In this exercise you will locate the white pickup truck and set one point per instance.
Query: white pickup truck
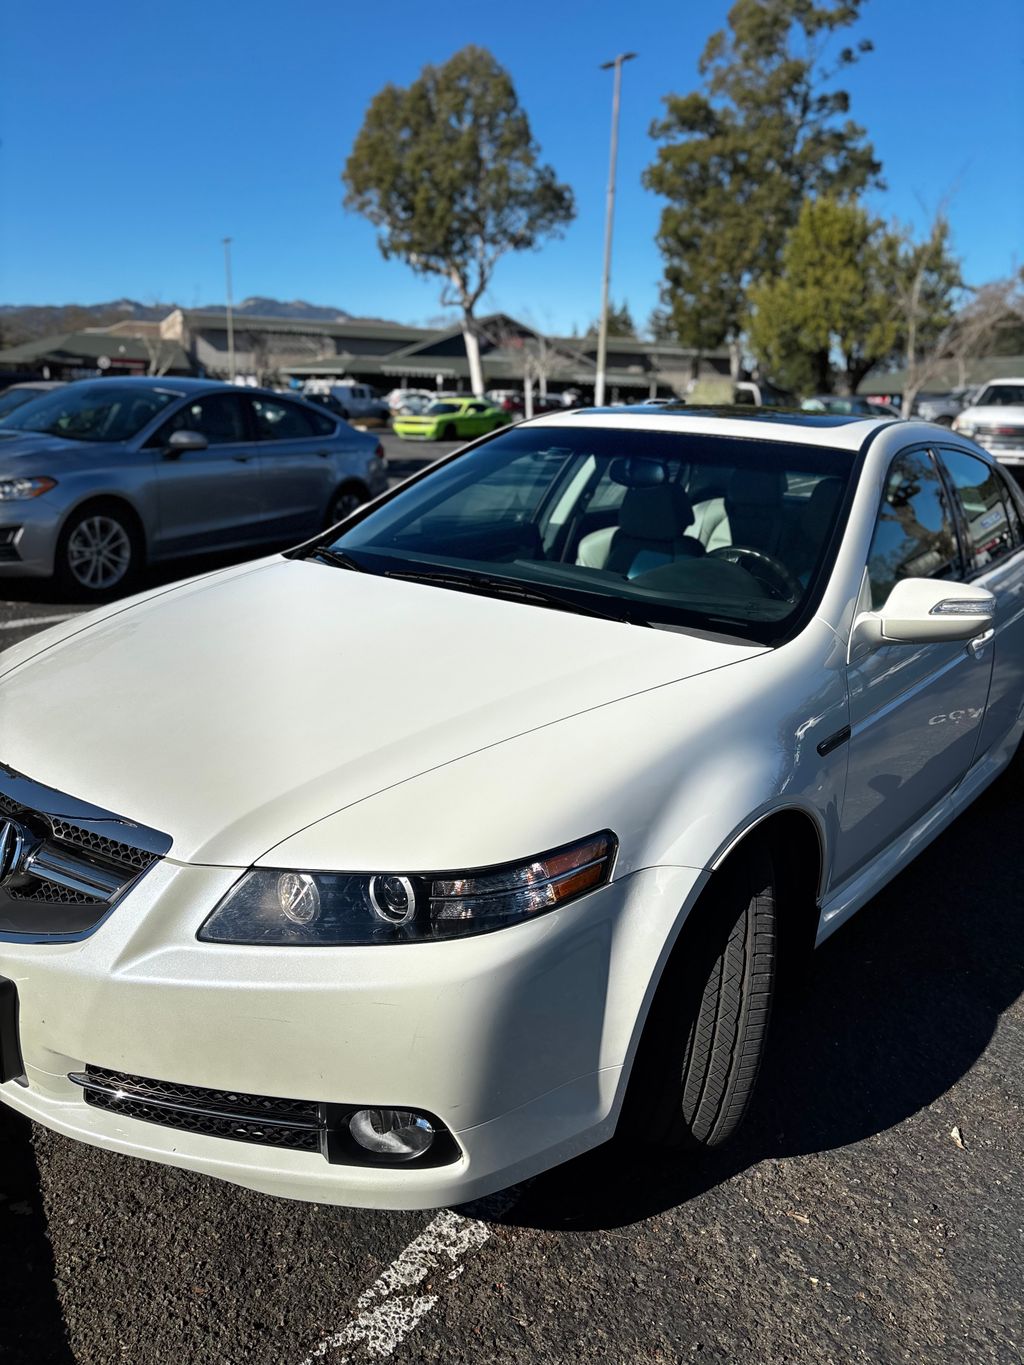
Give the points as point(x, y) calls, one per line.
point(996, 420)
point(356, 400)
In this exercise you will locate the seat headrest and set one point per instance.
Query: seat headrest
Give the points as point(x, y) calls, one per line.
point(659, 513)
point(756, 487)
point(636, 471)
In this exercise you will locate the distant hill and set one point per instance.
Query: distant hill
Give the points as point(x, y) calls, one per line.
point(274, 308)
point(28, 322)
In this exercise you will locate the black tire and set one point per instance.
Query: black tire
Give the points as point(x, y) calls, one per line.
point(345, 501)
point(705, 1036)
point(108, 571)
point(448, 432)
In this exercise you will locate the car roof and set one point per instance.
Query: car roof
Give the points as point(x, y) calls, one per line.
point(836, 430)
point(185, 384)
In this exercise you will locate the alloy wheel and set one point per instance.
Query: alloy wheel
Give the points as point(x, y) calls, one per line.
point(343, 506)
point(99, 552)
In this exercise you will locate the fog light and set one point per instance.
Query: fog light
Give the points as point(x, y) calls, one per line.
point(394, 1134)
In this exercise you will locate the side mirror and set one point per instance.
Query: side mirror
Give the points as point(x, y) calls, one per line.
point(924, 611)
point(181, 441)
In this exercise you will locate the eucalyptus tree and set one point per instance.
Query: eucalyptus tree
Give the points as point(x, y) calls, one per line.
point(448, 171)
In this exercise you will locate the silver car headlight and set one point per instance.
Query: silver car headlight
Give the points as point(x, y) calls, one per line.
point(281, 907)
point(15, 490)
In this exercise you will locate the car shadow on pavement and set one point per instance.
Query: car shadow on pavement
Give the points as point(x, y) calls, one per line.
point(900, 1004)
point(31, 1324)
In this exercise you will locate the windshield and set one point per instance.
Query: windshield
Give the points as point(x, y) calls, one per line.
point(17, 398)
point(725, 535)
point(101, 411)
point(436, 409)
point(1001, 396)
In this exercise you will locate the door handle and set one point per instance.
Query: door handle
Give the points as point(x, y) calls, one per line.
point(977, 645)
point(242, 459)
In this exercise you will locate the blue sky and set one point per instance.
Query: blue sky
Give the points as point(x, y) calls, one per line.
point(134, 139)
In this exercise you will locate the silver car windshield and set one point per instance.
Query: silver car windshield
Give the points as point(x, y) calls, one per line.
point(101, 411)
point(728, 535)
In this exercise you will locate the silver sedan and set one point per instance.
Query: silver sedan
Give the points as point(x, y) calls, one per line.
point(102, 476)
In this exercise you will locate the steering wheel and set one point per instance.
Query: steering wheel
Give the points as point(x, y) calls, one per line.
point(769, 571)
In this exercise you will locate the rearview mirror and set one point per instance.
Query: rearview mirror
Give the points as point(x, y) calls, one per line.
point(181, 441)
point(921, 611)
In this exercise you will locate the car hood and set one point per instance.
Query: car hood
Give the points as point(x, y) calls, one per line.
point(1011, 414)
point(19, 449)
point(236, 709)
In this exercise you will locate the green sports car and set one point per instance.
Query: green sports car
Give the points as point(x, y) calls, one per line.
point(451, 419)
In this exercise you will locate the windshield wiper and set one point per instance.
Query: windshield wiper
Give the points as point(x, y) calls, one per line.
point(493, 586)
point(338, 558)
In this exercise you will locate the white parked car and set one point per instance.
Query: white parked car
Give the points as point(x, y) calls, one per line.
point(400, 867)
point(995, 419)
point(357, 402)
point(409, 400)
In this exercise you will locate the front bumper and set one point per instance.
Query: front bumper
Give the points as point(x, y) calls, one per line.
point(36, 523)
point(415, 433)
point(519, 1040)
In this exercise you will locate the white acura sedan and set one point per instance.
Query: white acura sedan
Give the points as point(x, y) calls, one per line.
point(403, 866)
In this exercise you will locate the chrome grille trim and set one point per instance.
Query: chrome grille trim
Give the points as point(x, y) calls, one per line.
point(74, 874)
point(298, 1125)
point(81, 859)
point(81, 819)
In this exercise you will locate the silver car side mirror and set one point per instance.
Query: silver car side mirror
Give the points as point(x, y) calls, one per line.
point(921, 611)
point(181, 441)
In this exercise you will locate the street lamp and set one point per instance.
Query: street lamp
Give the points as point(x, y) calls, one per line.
point(231, 321)
point(602, 335)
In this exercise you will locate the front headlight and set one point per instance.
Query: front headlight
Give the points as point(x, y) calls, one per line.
point(962, 427)
point(14, 490)
point(345, 909)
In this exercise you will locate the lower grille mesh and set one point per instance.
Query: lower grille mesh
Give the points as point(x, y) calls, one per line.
point(297, 1125)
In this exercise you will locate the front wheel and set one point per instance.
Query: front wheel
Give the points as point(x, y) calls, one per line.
point(344, 503)
point(705, 1036)
point(448, 434)
point(99, 551)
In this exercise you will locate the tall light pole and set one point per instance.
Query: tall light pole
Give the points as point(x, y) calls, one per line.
point(602, 334)
point(231, 320)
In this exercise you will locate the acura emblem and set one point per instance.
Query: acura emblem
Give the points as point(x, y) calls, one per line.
point(12, 848)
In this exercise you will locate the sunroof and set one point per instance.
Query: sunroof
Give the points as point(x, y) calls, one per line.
point(740, 412)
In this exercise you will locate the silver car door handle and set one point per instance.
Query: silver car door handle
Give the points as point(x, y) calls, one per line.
point(977, 645)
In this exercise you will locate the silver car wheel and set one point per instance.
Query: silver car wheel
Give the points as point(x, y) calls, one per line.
point(99, 552)
point(344, 505)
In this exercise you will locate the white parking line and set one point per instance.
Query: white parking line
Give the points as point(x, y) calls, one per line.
point(27, 622)
point(387, 1311)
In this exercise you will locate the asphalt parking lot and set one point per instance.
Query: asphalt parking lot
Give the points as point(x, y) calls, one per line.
point(870, 1211)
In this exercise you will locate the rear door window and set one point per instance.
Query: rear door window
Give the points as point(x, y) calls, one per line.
point(990, 516)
